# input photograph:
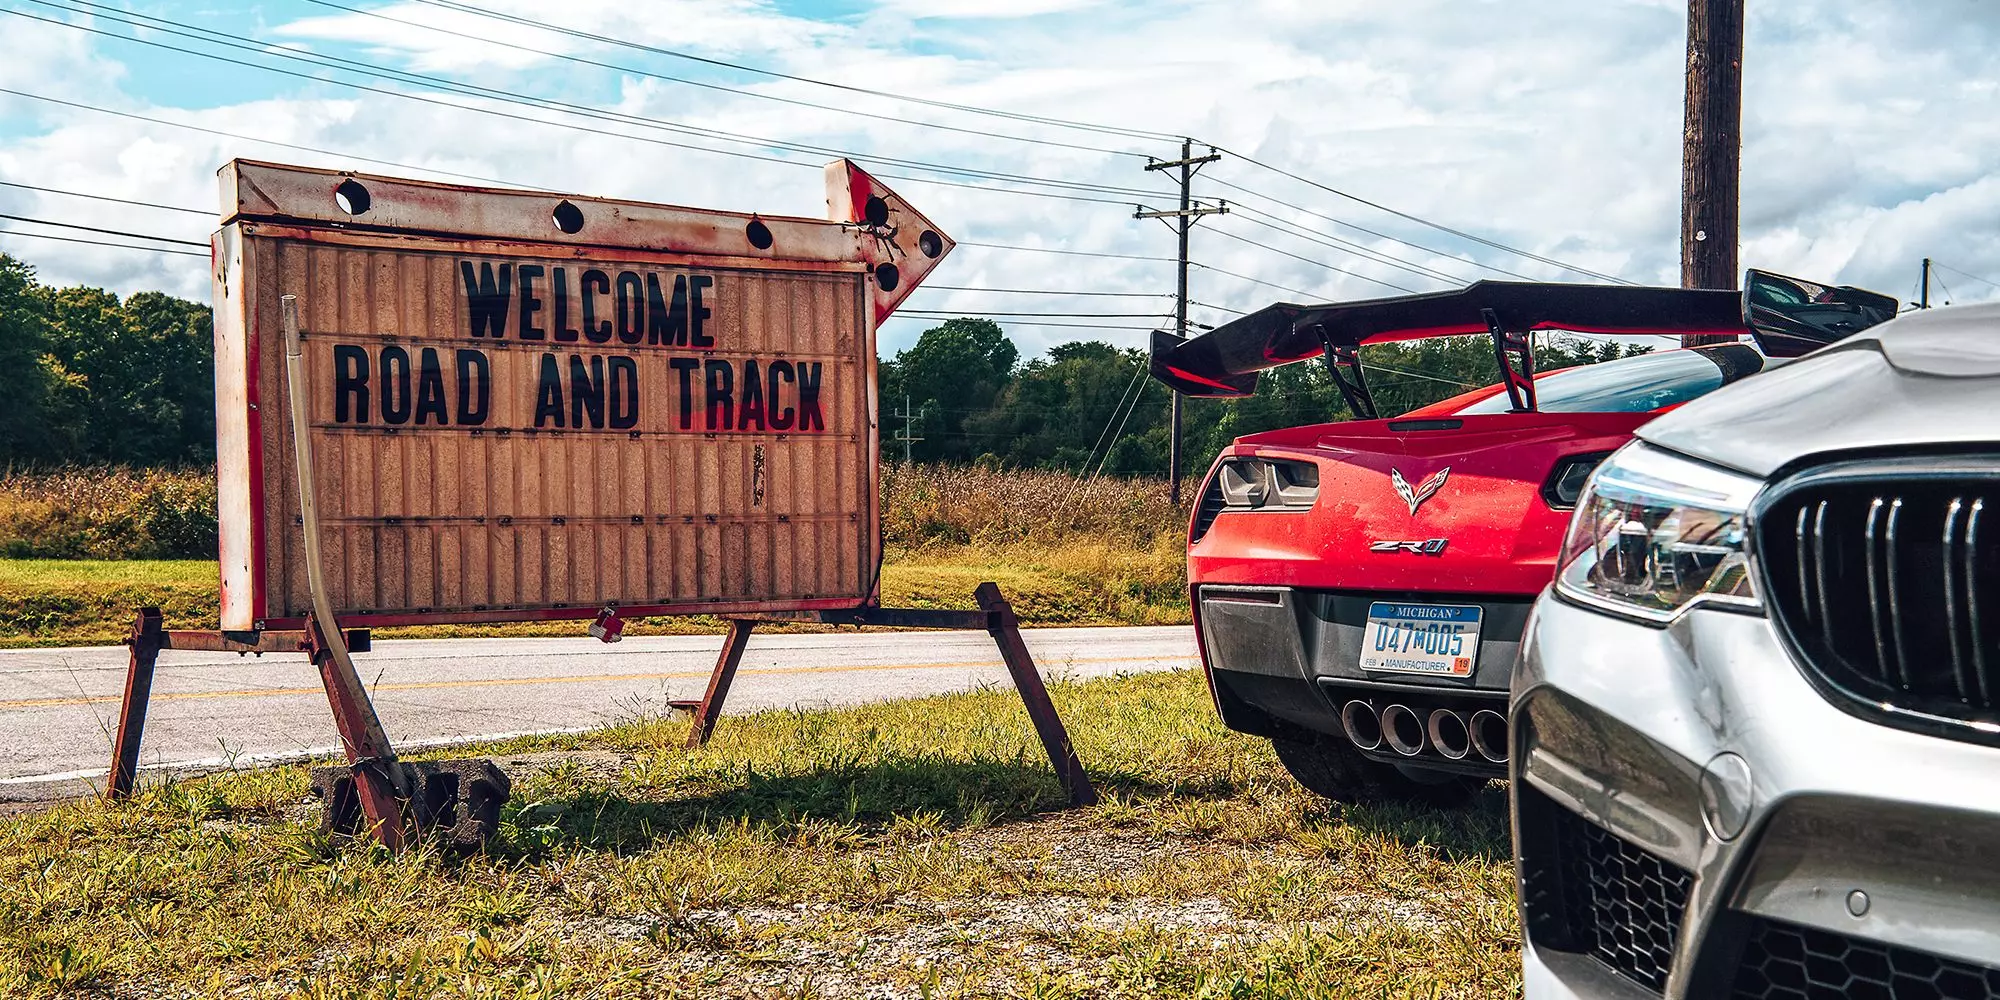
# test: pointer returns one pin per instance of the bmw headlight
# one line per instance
(1655, 534)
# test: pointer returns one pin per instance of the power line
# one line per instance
(927, 102)
(1037, 291)
(101, 243)
(1419, 220)
(1965, 274)
(1072, 253)
(1316, 263)
(101, 197)
(106, 232)
(269, 142)
(1205, 305)
(1077, 326)
(540, 103)
(1350, 247)
(725, 89)
(1257, 281)
(1371, 232)
(1056, 315)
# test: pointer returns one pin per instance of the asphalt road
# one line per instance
(58, 707)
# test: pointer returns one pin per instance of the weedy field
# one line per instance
(910, 849)
(85, 547)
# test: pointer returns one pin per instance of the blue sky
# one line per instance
(1551, 126)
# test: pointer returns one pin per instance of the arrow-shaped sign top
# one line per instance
(867, 223)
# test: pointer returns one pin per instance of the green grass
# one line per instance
(70, 602)
(904, 849)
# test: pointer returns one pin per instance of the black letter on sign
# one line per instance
(631, 308)
(595, 282)
(430, 388)
(472, 364)
(687, 367)
(586, 391)
(810, 419)
(781, 416)
(548, 392)
(395, 385)
(486, 302)
(721, 393)
(753, 398)
(529, 303)
(624, 392)
(667, 324)
(700, 312)
(350, 381)
(564, 332)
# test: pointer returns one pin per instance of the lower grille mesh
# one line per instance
(1789, 962)
(1621, 905)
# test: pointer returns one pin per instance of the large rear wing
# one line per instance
(1225, 362)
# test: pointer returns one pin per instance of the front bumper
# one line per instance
(1752, 817)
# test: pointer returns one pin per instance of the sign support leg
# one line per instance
(147, 638)
(1006, 632)
(369, 754)
(710, 708)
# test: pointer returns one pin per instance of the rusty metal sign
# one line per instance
(527, 405)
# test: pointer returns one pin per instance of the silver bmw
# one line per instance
(1756, 719)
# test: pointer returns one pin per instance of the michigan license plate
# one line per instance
(1421, 638)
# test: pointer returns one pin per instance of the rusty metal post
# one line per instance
(368, 751)
(1006, 632)
(709, 709)
(145, 641)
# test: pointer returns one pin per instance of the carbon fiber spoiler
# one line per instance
(1225, 362)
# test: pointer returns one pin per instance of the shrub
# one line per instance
(930, 505)
(100, 513)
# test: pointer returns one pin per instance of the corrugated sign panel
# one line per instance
(503, 429)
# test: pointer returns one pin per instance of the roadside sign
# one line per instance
(527, 405)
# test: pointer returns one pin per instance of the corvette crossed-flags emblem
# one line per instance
(1416, 497)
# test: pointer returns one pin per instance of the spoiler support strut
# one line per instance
(1353, 385)
(1510, 350)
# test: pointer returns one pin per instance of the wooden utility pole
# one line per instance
(1183, 221)
(1711, 149)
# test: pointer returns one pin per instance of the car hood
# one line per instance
(1930, 377)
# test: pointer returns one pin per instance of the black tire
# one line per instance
(1331, 767)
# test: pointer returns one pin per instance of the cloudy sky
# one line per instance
(1551, 127)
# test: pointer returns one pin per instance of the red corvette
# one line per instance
(1359, 587)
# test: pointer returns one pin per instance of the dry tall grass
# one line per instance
(100, 513)
(931, 505)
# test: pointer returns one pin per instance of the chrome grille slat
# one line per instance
(1879, 573)
(1874, 594)
(1949, 542)
(1972, 600)
(1895, 593)
(1819, 569)
(1805, 580)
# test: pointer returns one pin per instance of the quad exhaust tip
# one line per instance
(1402, 730)
(1488, 730)
(1450, 734)
(1357, 719)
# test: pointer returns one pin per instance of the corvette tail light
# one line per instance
(1254, 484)
(1565, 484)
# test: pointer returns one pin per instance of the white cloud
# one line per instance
(1552, 126)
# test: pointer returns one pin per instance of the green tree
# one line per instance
(26, 379)
(954, 371)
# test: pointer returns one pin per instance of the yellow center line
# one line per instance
(583, 679)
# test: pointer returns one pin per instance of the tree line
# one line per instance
(89, 378)
(1075, 409)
